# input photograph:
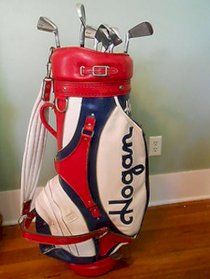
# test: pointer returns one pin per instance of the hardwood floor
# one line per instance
(174, 243)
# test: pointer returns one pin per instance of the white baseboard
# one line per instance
(164, 188)
(10, 206)
(179, 187)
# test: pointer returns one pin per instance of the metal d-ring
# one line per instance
(57, 107)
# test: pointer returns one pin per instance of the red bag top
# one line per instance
(82, 64)
(84, 72)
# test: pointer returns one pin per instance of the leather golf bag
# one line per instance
(96, 202)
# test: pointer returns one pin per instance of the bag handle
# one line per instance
(44, 118)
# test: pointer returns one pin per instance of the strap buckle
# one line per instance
(88, 129)
(97, 73)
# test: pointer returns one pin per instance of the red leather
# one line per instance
(82, 72)
(47, 87)
(44, 120)
(73, 168)
(92, 89)
(94, 269)
(66, 63)
(26, 207)
(110, 240)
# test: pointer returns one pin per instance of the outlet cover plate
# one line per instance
(155, 146)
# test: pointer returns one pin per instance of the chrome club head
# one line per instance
(97, 37)
(90, 32)
(111, 37)
(81, 13)
(102, 36)
(140, 30)
(105, 39)
(82, 16)
(45, 24)
(114, 36)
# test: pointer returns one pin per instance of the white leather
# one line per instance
(63, 217)
(71, 119)
(109, 170)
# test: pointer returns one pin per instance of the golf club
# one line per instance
(140, 30)
(105, 40)
(102, 36)
(114, 36)
(99, 36)
(47, 25)
(105, 37)
(81, 13)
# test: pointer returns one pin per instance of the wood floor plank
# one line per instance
(174, 244)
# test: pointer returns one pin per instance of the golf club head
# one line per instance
(90, 32)
(81, 13)
(82, 16)
(112, 35)
(97, 37)
(105, 39)
(102, 36)
(115, 36)
(140, 30)
(45, 24)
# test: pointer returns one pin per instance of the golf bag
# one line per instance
(96, 202)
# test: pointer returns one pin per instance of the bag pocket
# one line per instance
(121, 171)
(63, 218)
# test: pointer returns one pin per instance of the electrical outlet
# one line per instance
(155, 146)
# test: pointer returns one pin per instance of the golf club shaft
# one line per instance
(82, 36)
(126, 43)
(57, 40)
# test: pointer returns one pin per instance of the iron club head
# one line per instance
(115, 35)
(115, 38)
(105, 40)
(140, 30)
(81, 13)
(102, 36)
(90, 32)
(82, 16)
(45, 24)
(111, 37)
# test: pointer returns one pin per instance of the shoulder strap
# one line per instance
(34, 151)
(35, 141)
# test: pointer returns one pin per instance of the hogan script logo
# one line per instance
(127, 176)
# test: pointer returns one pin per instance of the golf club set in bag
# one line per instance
(96, 203)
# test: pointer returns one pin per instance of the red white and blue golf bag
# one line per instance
(96, 202)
